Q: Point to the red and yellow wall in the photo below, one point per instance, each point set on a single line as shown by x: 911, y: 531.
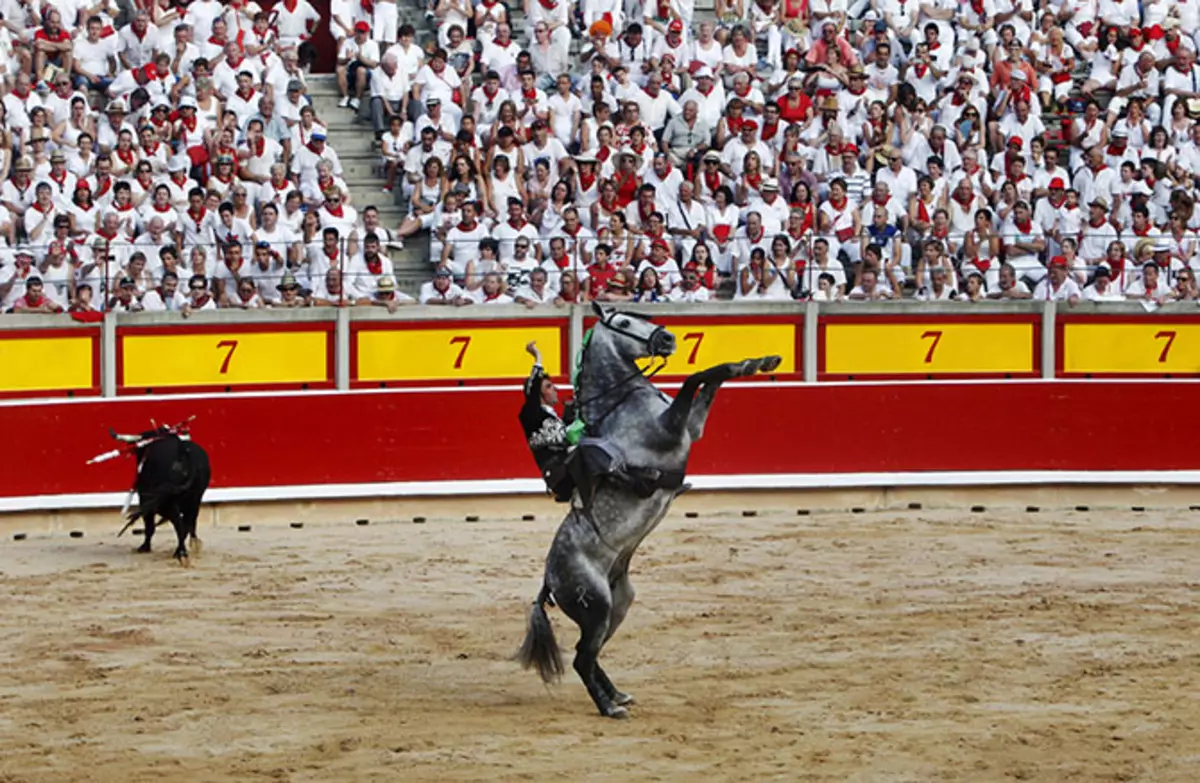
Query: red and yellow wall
x: 363, y: 403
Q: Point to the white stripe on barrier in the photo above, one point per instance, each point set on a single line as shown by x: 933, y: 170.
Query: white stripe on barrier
x: 536, y: 487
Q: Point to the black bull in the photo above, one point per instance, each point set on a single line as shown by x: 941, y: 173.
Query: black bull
x: 172, y: 475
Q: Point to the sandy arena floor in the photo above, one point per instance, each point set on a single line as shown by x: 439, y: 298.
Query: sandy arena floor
x: 915, y: 646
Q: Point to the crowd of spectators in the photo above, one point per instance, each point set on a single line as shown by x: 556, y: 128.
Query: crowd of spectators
x: 832, y: 149
x: 167, y: 156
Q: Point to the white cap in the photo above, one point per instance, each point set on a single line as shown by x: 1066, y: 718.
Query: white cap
x: 178, y: 163
x: 704, y: 72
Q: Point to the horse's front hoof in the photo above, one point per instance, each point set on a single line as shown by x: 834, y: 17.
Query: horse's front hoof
x: 182, y: 556
x: 618, y: 713
x: 623, y: 699
x: 143, y: 549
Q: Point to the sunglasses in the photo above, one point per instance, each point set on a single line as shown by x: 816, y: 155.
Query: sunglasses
x: 196, y: 287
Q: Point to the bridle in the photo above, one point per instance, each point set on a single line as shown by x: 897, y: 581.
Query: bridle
x: 608, y: 322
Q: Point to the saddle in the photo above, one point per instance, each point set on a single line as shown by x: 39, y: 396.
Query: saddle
x: 602, y: 459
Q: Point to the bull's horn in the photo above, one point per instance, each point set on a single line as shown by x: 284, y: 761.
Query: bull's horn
x: 123, y: 438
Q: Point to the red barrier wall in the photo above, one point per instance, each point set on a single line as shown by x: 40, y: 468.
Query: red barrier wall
x: 472, y: 434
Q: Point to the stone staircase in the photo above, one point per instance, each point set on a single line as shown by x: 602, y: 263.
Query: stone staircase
x: 352, y: 137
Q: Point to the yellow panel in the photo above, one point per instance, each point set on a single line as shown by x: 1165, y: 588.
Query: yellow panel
x: 928, y: 348
x: 1154, y: 348
x: 465, y: 353
x: 45, y: 363
x: 219, y: 359
x: 702, y: 345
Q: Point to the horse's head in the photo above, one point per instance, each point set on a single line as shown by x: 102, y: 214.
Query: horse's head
x: 635, y: 336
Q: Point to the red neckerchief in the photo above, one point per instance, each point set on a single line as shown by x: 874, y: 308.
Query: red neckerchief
x: 188, y: 123
x: 233, y: 66
x: 110, y: 237
x: 549, y: 5
x: 163, y: 209
x: 705, y: 92
x: 755, y: 239
x: 769, y: 130
x: 201, y: 301
x: 563, y: 264
x: 1143, y: 232
x: 603, y: 154
x: 179, y: 178
x: 1113, y: 151
x: 375, y: 267
x: 234, y: 268
x: 125, y: 208
x: 198, y: 219
x: 259, y: 146
x: 1058, y: 204
x: 310, y: 148
x: 59, y: 178
x: 1024, y: 227
x: 530, y: 94
x: 644, y: 215
x: 586, y: 181
x: 734, y: 124
x: 125, y: 156
x: 755, y: 180
x: 31, y: 302
x: 574, y: 234
x: 464, y: 227
x: 712, y: 181
x: 957, y: 99
x: 151, y: 151
x: 520, y: 224
x: 491, y: 92
x: 223, y: 180
x: 337, y: 213
x: 22, y: 94
x: 838, y: 206
x: 245, y: 97
x: 40, y: 208
x: 331, y: 256
x: 1117, y: 267
x: 941, y: 233
x: 922, y: 211
x: 964, y: 201
x: 1173, y: 46
x: 290, y: 5
x: 1095, y: 224
x: 881, y: 202
x: 920, y: 68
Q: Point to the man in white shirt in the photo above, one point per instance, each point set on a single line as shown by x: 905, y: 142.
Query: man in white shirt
x: 389, y: 93
x: 1058, y: 285
x: 442, y: 290
x: 304, y: 162
x: 357, y: 57
x: 900, y: 179
x: 1102, y: 288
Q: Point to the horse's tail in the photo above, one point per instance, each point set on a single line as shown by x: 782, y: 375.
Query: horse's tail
x: 540, y: 648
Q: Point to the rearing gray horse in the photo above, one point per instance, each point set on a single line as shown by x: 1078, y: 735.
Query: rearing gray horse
x: 645, y: 437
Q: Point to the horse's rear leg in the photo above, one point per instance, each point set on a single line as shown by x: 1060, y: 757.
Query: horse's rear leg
x: 591, y: 609
x: 622, y: 598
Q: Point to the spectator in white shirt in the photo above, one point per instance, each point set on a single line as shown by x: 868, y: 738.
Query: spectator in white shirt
x: 389, y: 93
x: 1058, y: 285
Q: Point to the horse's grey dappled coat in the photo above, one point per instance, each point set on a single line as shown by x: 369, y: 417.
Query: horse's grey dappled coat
x: 587, y: 568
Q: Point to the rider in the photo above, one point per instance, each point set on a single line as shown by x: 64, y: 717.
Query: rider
x: 545, y: 431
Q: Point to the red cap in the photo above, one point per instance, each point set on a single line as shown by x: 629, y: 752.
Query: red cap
x: 1017, y: 142
x: 1155, y: 32
x: 362, y: 27
x: 849, y: 148
x: 676, y: 26
x: 1134, y: 31
x: 151, y: 71
x: 750, y: 125
x: 1059, y: 261
x: 660, y: 243
x: 1057, y: 184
